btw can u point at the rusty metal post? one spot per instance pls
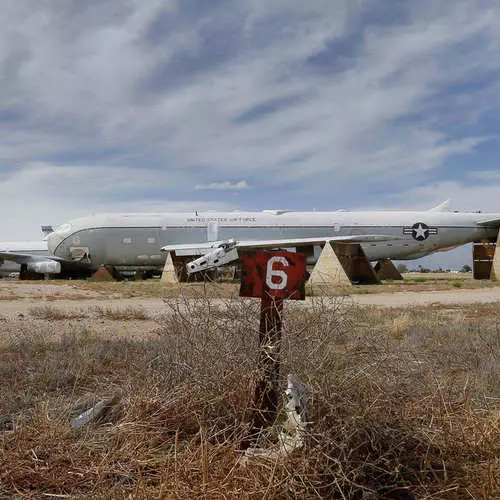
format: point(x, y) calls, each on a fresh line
point(266, 397)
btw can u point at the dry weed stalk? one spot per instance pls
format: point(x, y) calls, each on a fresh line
point(53, 313)
point(120, 314)
point(405, 416)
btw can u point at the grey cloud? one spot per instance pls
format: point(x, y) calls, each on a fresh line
point(463, 197)
point(163, 84)
point(266, 108)
point(485, 176)
point(223, 186)
point(43, 193)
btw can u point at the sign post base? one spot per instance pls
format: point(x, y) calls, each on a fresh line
point(266, 396)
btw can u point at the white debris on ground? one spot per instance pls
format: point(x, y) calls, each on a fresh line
point(96, 413)
point(294, 429)
point(293, 432)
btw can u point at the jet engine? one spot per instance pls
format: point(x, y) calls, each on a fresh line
point(45, 267)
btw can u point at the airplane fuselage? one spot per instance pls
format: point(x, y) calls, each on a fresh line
point(134, 240)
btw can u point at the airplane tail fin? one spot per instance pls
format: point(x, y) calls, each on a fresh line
point(442, 207)
point(46, 230)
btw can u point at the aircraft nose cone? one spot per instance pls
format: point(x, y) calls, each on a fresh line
point(58, 236)
point(53, 240)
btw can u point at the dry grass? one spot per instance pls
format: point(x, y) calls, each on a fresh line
point(155, 288)
point(49, 312)
point(120, 314)
point(53, 313)
point(403, 406)
point(412, 282)
point(10, 297)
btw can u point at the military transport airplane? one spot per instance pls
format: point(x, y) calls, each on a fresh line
point(140, 241)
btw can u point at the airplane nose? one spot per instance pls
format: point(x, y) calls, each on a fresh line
point(57, 237)
point(53, 241)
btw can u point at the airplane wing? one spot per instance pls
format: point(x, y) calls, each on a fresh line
point(300, 242)
point(46, 264)
point(489, 223)
point(25, 258)
point(218, 253)
point(37, 263)
point(201, 248)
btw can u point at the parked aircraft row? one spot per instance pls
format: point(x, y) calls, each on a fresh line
point(140, 241)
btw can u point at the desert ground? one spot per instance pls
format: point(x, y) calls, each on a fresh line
point(23, 299)
point(403, 383)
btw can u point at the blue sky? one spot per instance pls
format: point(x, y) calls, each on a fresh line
point(163, 105)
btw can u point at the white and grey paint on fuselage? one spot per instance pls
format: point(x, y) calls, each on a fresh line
point(135, 239)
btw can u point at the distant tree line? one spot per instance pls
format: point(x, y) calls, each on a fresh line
point(403, 268)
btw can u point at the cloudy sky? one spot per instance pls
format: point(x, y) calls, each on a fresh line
point(146, 105)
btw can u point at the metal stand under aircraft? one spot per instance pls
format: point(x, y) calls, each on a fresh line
point(341, 264)
point(386, 270)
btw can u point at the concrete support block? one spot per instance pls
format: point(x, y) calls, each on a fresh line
point(341, 264)
point(495, 265)
point(355, 263)
point(483, 253)
point(106, 273)
point(169, 274)
point(386, 270)
point(328, 270)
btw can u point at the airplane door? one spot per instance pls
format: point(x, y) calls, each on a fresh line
point(80, 254)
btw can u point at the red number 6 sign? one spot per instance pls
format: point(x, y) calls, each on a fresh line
point(277, 274)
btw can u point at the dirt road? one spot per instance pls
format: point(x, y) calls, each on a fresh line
point(25, 298)
point(425, 298)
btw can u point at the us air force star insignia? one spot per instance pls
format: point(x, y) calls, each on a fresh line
point(420, 231)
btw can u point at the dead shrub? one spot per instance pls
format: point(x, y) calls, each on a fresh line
point(406, 416)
